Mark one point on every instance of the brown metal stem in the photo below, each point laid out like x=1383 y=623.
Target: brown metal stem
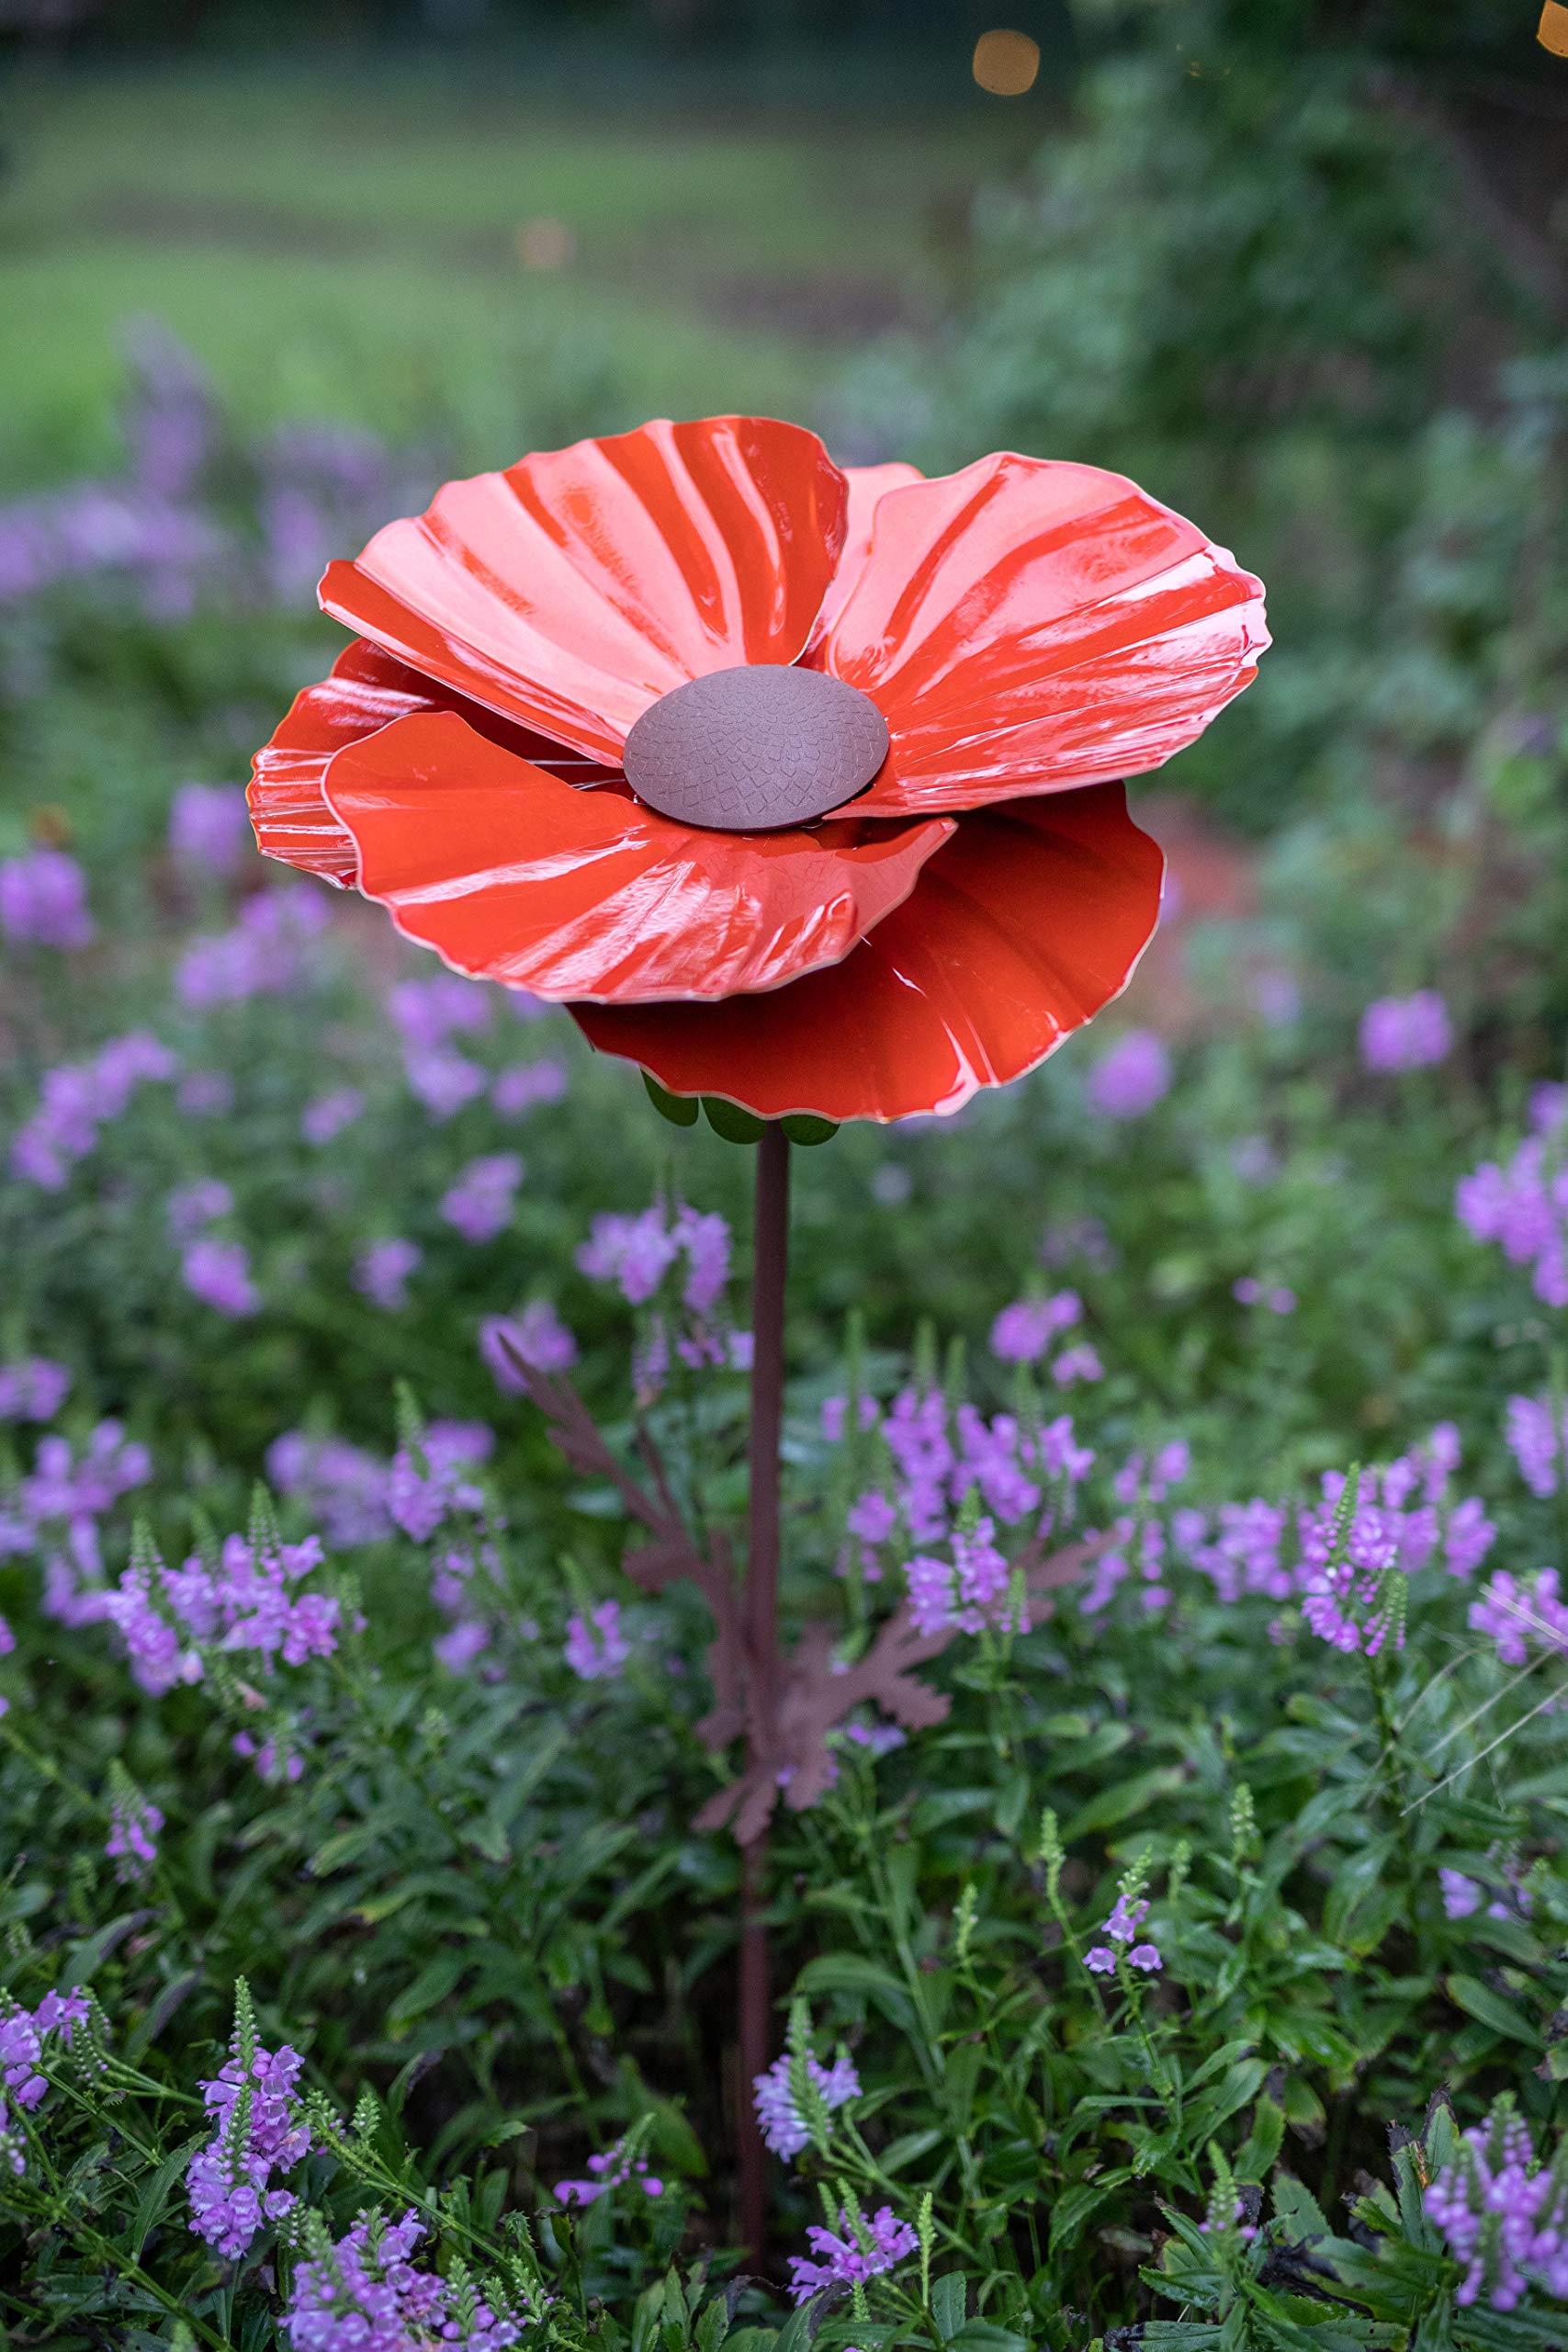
x=770 y=1266
x=761 y=1611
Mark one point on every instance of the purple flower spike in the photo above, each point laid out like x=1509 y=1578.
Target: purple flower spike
x=596 y=1649
x=43 y=901
x=782 y=2126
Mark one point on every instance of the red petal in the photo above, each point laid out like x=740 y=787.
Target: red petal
x=867 y=486
x=1027 y=627
x=573 y=590
x=512 y=875
x=367 y=690
x=1020 y=931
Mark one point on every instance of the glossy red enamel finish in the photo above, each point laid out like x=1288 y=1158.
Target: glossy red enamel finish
x=1029 y=631
x=512 y=876
x=570 y=591
x=1028 y=626
x=868 y=485
x=1022 y=929
x=367 y=690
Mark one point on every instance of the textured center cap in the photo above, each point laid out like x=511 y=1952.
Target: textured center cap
x=747 y=751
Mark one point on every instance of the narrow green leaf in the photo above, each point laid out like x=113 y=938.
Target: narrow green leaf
x=1122 y=1800
x=1493 y=2010
x=948 y=2304
x=156 y=2196
x=433 y=1983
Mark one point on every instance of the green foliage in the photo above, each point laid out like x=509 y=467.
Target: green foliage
x=468 y=1890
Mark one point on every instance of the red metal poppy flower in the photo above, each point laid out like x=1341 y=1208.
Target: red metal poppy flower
x=800 y=785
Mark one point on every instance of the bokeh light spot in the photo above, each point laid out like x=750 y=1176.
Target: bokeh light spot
x=1006 y=63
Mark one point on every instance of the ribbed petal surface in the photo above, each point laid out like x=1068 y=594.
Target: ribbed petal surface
x=571 y=590
x=512 y=876
x=1029 y=627
x=367 y=690
x=1022 y=928
x=868 y=485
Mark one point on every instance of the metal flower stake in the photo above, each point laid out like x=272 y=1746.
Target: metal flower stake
x=802 y=787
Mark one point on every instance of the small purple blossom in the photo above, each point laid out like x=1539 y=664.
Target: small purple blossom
x=23 y=2036
x=872 y=1517
x=1406 y=1031
x=68 y=1485
x=1276 y=1296
x=218 y=1273
x=342 y=1487
x=867 y=2246
x=1131 y=1077
x=1152 y=1480
x=610 y=2170
x=442 y=1081
x=596 y=1649
x=878 y=1739
x=77 y=1099
x=459 y=1648
x=209 y=828
x=1505 y=2217
x=191 y=1208
x=132 y=1842
x=1023 y=1332
x=427 y=1012
x=635 y=1252
x=518 y=1090
x=971 y=1593
x=1538 y=1439
x=265 y=953
x=479 y=1205
x=538 y=1335
x=1125 y=1919
x=1461 y=1894
x=704 y=1240
x=1548 y=1108
x=1523 y=1208
x=326 y=1116
x=428 y=1484
x=835 y=1416
x=20 y=2049
x=1519 y=1613
x=32 y=1389
x=779 y=2119
x=43 y=901
x=381 y=1273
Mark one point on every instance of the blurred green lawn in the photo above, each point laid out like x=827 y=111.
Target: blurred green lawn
x=403 y=249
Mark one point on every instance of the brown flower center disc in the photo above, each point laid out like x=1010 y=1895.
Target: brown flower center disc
x=747 y=750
